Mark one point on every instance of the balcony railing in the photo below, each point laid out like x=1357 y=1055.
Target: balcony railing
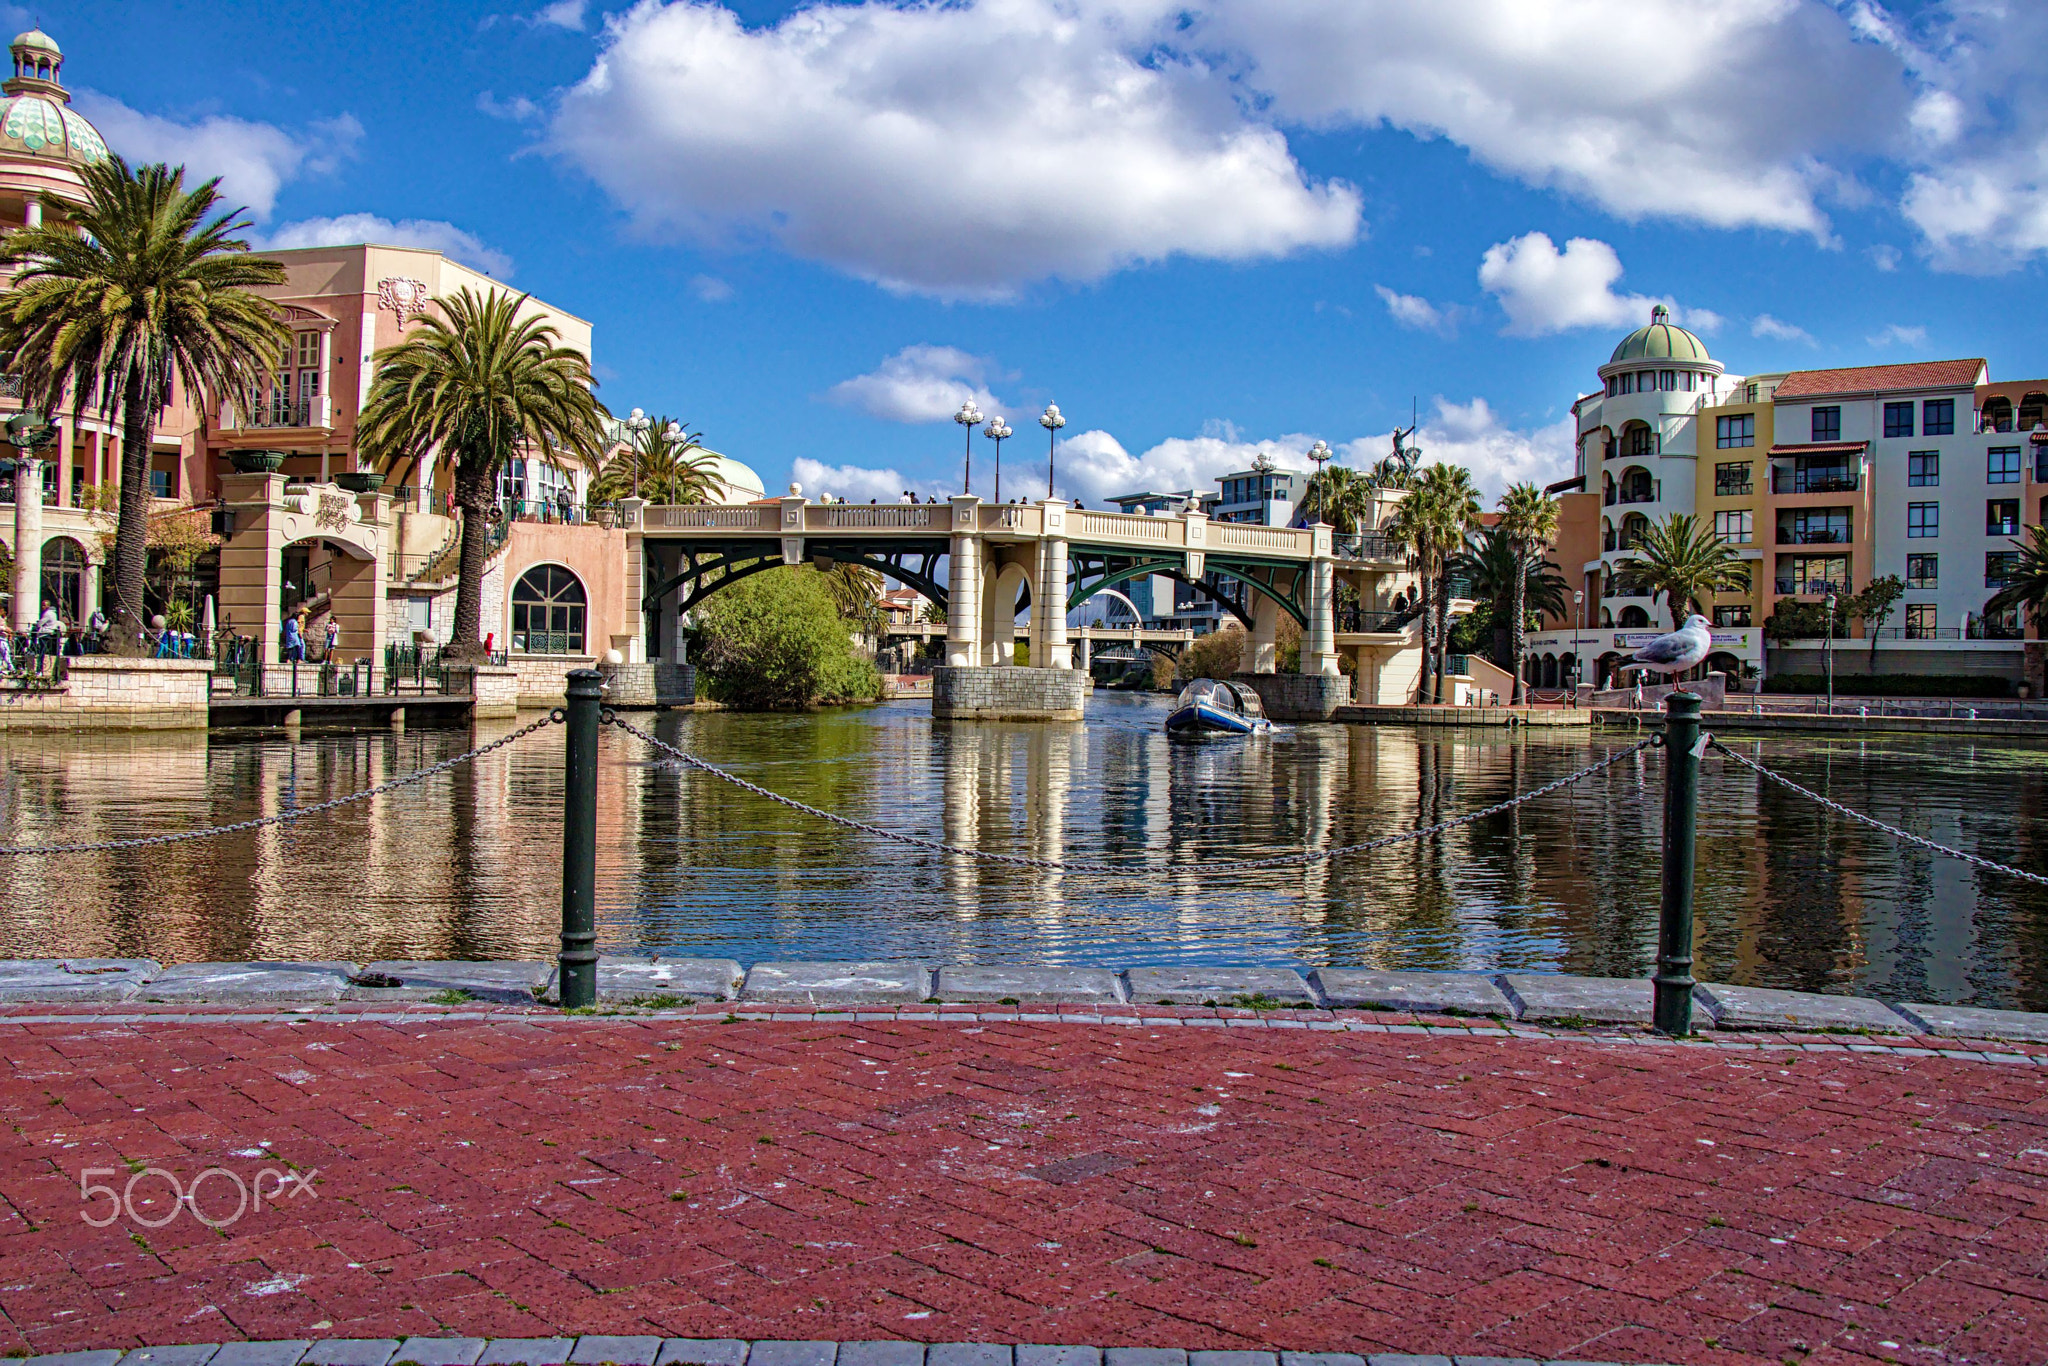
x=1791 y=481
x=1919 y=633
x=10 y=386
x=1645 y=493
x=1812 y=536
x=1812 y=588
x=1994 y=630
x=1370 y=545
x=275 y=412
x=1734 y=490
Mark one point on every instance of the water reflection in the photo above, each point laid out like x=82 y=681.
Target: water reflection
x=465 y=864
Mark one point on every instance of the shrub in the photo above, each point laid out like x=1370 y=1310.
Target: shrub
x=775 y=641
x=1215 y=655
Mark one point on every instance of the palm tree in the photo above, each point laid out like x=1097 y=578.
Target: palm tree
x=2026 y=585
x=1681 y=560
x=1528 y=523
x=856 y=592
x=144 y=283
x=1433 y=520
x=659 y=467
x=483 y=385
x=1492 y=562
x=1340 y=496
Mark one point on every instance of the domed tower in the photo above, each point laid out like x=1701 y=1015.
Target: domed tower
x=1638 y=447
x=43 y=141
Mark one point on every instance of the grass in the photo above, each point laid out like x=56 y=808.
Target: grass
x=453 y=996
x=661 y=1000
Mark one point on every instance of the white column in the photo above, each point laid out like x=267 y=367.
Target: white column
x=1261 y=652
x=28 y=543
x=1087 y=649
x=34 y=217
x=1049 y=647
x=963 y=607
x=1319 y=641
x=324 y=406
x=998 y=617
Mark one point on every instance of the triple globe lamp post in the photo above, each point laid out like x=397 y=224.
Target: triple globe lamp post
x=1000 y=431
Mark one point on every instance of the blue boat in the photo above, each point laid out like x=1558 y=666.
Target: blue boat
x=1212 y=707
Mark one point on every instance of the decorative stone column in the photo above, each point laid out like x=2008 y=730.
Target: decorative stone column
x=28 y=541
x=1049 y=647
x=1261 y=653
x=1319 y=641
x=963 y=607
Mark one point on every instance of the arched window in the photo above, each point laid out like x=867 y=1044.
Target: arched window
x=547 y=612
x=1634 y=617
x=64 y=577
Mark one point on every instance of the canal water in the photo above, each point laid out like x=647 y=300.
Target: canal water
x=466 y=864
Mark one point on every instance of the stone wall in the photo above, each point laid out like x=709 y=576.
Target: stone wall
x=675 y=685
x=628 y=685
x=1299 y=697
x=544 y=679
x=493 y=689
x=101 y=691
x=1711 y=690
x=1006 y=693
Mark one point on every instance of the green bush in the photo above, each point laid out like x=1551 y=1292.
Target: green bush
x=1892 y=685
x=1215 y=655
x=775 y=641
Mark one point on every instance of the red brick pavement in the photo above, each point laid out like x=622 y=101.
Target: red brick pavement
x=1028 y=1182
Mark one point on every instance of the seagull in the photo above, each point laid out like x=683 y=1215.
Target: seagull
x=1678 y=651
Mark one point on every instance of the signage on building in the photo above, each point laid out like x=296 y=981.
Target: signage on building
x=1723 y=640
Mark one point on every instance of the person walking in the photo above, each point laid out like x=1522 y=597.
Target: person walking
x=333 y=635
x=294 y=640
x=49 y=630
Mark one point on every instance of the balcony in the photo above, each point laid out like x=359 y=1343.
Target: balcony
x=274 y=414
x=1370 y=545
x=1919 y=633
x=1811 y=588
x=10 y=386
x=1994 y=630
x=1829 y=481
x=1741 y=490
x=1642 y=493
x=1828 y=535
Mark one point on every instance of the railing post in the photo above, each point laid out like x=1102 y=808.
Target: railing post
x=1673 y=983
x=577 y=963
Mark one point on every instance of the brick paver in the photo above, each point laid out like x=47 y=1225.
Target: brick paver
x=1223 y=1189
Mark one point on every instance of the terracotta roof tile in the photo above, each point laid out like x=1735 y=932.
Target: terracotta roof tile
x=1865 y=379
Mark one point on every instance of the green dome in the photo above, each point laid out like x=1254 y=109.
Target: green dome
x=1660 y=341
x=41 y=127
x=39 y=40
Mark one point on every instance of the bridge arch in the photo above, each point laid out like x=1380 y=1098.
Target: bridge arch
x=701 y=577
x=1175 y=569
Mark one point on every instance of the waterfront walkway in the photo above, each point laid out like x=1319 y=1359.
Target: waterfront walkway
x=1354 y=1182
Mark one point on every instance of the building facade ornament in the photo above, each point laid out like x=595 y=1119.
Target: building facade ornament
x=406 y=298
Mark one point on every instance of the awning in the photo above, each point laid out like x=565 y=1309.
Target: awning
x=1823 y=448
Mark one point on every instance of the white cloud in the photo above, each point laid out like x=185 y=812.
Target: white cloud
x=351 y=228
x=1412 y=310
x=857 y=484
x=1543 y=290
x=960 y=150
x=710 y=289
x=1778 y=330
x=1885 y=258
x=1095 y=465
x=561 y=14
x=1471 y=434
x=253 y=160
x=1898 y=335
x=518 y=109
x=920 y=384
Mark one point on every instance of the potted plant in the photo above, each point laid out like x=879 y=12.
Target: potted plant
x=248 y=461
x=360 y=481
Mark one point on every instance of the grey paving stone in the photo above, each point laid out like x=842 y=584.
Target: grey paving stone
x=229 y=983
x=1144 y=1356
x=694 y=979
x=1556 y=997
x=75 y=1359
x=441 y=1351
x=1496 y=1361
x=967 y=1354
x=527 y=1352
x=1399 y=1359
x=703 y=1352
x=881 y=1354
x=1321 y=1359
x=1039 y=1354
x=1232 y=1359
x=1764 y=1008
x=778 y=1352
x=1223 y=986
x=1027 y=984
x=281 y=1353
x=619 y=1351
x=515 y=983
x=29 y=980
x=351 y=1352
x=1436 y=993
x=1975 y=1022
x=827 y=983
x=188 y=1354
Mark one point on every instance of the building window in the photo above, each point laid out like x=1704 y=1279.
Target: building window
x=1923 y=469
x=1938 y=417
x=1999 y=567
x=1735 y=431
x=2002 y=465
x=1731 y=479
x=1736 y=528
x=1898 y=419
x=64 y=569
x=1667 y=380
x=2002 y=517
x=1923 y=571
x=1922 y=520
x=1920 y=618
x=1827 y=424
x=547 y=612
x=1811 y=575
x=1736 y=615
x=1638 y=441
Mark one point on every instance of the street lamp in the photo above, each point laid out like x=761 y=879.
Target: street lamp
x=1579 y=642
x=998 y=431
x=967 y=417
x=1829 y=645
x=1051 y=420
x=638 y=423
x=1320 y=455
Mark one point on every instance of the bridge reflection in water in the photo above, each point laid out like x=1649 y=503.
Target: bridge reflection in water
x=466 y=865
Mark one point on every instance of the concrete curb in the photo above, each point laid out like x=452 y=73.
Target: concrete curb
x=656 y=981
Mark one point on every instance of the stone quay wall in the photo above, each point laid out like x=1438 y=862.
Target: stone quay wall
x=675 y=685
x=1007 y=693
x=628 y=685
x=107 y=692
x=493 y=689
x=1299 y=697
x=544 y=679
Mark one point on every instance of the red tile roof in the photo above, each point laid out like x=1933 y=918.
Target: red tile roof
x=1869 y=379
x=1820 y=448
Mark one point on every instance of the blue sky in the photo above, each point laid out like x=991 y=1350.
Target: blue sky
x=1202 y=228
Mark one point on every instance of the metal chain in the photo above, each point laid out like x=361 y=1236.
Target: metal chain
x=296 y=813
x=1120 y=870
x=1871 y=821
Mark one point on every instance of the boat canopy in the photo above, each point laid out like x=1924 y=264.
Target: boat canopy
x=1215 y=692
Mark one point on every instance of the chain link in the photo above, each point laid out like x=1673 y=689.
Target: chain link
x=1120 y=870
x=1871 y=821
x=296 y=813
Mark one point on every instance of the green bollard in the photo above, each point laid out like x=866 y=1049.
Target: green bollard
x=1673 y=982
x=577 y=962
